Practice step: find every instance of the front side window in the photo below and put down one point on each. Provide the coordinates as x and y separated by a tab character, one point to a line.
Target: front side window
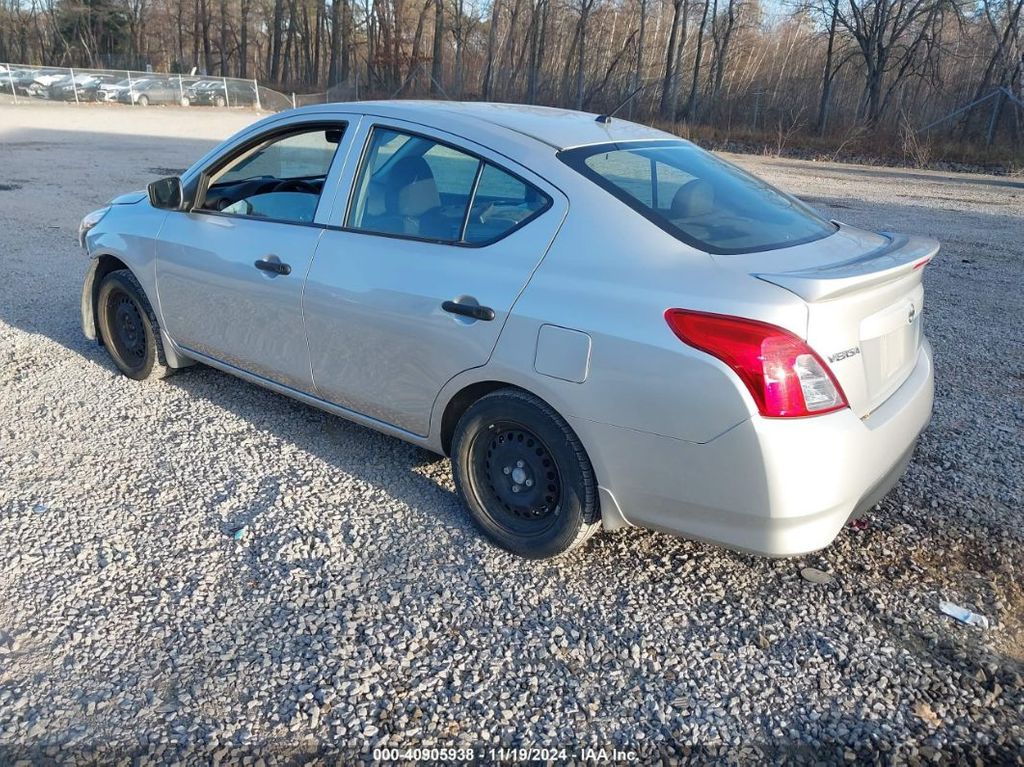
698	198
416	187
280	178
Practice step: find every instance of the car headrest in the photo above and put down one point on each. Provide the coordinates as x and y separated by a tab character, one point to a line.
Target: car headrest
694	198
412	190
376	199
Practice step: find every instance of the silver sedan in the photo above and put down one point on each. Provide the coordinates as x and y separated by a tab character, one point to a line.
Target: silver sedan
601	324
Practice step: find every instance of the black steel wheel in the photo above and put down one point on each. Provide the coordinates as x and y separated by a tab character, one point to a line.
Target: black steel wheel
517	477
128	327
128	334
524	475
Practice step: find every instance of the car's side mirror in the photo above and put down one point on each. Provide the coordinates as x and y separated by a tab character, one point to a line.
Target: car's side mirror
167	194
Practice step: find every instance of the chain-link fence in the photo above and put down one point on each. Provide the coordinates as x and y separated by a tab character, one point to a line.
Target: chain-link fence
21	83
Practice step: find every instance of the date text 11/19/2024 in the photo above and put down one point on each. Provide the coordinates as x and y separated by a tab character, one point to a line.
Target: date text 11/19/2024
587	754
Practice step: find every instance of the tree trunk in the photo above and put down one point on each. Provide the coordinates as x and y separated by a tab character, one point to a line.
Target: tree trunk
180	17
691	102
492	42
581	51
827	76
223	37
638	66
346	41
243	38
722	52
533	68
670	80
437	65
334	67
196	35
276	31
207	49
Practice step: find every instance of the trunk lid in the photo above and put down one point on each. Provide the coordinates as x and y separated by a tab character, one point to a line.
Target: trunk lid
864	298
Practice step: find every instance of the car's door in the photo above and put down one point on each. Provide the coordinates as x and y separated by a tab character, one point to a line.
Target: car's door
230	271
166	92
414	279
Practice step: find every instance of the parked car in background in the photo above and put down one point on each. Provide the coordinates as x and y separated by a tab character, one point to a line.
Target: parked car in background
234	93
112	90
151	91
85	87
599	322
199	92
16	81
41	80
92	89
63	88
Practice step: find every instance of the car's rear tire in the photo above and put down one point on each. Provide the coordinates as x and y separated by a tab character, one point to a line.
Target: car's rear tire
143	101
129	329
185	101
524	475
219	101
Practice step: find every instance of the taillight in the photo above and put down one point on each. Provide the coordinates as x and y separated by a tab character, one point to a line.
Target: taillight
784	375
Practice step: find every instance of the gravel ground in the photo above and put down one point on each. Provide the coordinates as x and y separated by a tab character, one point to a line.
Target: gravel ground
361	609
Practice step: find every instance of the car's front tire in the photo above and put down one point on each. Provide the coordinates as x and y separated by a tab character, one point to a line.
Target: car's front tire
128	327
524	475
143	101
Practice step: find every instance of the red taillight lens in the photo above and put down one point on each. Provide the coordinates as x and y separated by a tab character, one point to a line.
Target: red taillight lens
784	375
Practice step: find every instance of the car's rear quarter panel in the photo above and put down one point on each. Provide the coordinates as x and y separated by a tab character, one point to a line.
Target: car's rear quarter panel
611	274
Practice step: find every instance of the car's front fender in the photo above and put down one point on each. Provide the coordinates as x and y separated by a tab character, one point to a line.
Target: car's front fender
88	301
100	266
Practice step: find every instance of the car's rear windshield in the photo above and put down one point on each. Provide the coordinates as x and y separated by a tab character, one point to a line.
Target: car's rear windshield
698	198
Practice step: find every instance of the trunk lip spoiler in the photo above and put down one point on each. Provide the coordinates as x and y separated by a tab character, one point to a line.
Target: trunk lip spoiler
899	256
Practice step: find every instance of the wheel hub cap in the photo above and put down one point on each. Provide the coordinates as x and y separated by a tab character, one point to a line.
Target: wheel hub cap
126	324
522	475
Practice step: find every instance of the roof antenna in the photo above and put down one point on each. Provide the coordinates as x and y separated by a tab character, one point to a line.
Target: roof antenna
607	118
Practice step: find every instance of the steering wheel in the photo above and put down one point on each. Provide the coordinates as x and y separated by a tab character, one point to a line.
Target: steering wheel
295	185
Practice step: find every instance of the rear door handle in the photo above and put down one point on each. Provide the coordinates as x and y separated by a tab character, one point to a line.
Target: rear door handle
475	311
273	265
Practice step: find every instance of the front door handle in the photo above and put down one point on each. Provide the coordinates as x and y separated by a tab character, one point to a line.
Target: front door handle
475	311
273	265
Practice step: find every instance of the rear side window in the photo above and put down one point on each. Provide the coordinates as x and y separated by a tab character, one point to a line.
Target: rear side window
502	203
698	198
412	186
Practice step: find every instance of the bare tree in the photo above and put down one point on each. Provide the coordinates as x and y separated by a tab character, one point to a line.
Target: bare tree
896	66
437	63
722	27
891	35
585	7
691	101
676	44
492	46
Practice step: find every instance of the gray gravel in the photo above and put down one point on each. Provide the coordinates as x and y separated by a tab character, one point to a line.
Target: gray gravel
359	608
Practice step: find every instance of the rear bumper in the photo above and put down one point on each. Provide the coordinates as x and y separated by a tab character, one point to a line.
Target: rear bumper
769	486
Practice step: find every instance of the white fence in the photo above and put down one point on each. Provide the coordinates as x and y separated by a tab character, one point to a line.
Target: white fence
22	83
